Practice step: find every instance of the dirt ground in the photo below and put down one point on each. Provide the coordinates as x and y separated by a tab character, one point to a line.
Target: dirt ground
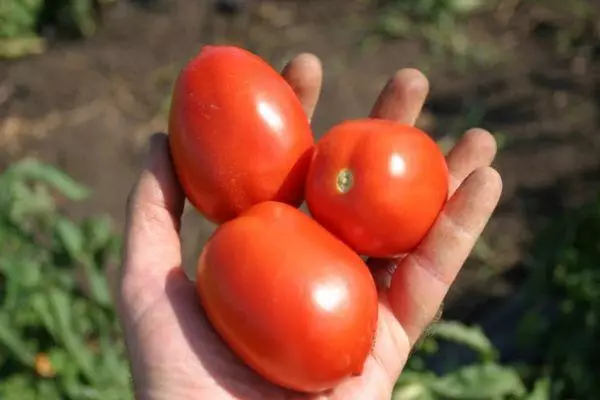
88	106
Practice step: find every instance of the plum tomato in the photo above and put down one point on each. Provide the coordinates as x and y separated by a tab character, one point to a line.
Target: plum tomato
378	185
291	300
238	133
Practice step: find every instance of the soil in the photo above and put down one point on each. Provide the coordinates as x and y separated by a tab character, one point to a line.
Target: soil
89	105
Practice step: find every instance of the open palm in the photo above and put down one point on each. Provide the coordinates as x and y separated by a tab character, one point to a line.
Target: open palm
174	352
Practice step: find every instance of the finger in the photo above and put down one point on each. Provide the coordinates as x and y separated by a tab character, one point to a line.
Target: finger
476	149
403	97
305	75
422	279
152	246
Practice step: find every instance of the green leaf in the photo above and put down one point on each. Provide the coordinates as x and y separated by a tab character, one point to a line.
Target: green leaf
394	25
21	278
484	381
470	336
98	233
17	387
60	359
18	18
31	169
48	390
60	302
27	201
83	15
10	338
465	6
541	390
413	391
414	385
41	307
71	237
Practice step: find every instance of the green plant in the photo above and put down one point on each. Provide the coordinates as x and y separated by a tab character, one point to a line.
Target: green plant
482	380
440	23
564	322
59	338
18	19
21	20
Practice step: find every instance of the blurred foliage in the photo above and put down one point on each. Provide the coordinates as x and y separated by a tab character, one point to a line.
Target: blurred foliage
440	23
565	268
562	326
485	379
431	11
19	18
59	338
18	22
21	22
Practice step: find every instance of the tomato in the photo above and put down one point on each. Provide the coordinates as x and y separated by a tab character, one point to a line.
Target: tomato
238	133
377	185
295	303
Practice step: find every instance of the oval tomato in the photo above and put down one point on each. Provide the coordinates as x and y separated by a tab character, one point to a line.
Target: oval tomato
295	303
378	185
238	133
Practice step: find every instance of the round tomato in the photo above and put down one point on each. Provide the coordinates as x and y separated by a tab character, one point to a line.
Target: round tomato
238	133
378	185
295	303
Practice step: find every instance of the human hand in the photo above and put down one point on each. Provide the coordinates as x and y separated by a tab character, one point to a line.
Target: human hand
174	352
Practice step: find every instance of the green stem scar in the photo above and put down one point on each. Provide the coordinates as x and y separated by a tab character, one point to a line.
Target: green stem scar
345	180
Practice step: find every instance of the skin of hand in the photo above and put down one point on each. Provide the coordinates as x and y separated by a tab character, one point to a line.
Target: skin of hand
175	354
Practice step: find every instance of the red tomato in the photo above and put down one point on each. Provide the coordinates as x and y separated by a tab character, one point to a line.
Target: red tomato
238	133
295	303
378	185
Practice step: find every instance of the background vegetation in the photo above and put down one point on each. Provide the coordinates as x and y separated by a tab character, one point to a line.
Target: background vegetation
59	338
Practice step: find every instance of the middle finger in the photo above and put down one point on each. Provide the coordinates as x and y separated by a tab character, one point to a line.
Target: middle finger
402	98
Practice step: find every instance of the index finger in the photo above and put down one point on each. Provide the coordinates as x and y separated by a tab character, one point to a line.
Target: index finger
305	75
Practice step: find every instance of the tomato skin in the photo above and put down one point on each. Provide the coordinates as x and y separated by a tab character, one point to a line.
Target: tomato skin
291	300
398	184
238	133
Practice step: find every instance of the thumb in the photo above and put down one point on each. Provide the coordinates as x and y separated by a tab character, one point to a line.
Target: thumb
152	245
